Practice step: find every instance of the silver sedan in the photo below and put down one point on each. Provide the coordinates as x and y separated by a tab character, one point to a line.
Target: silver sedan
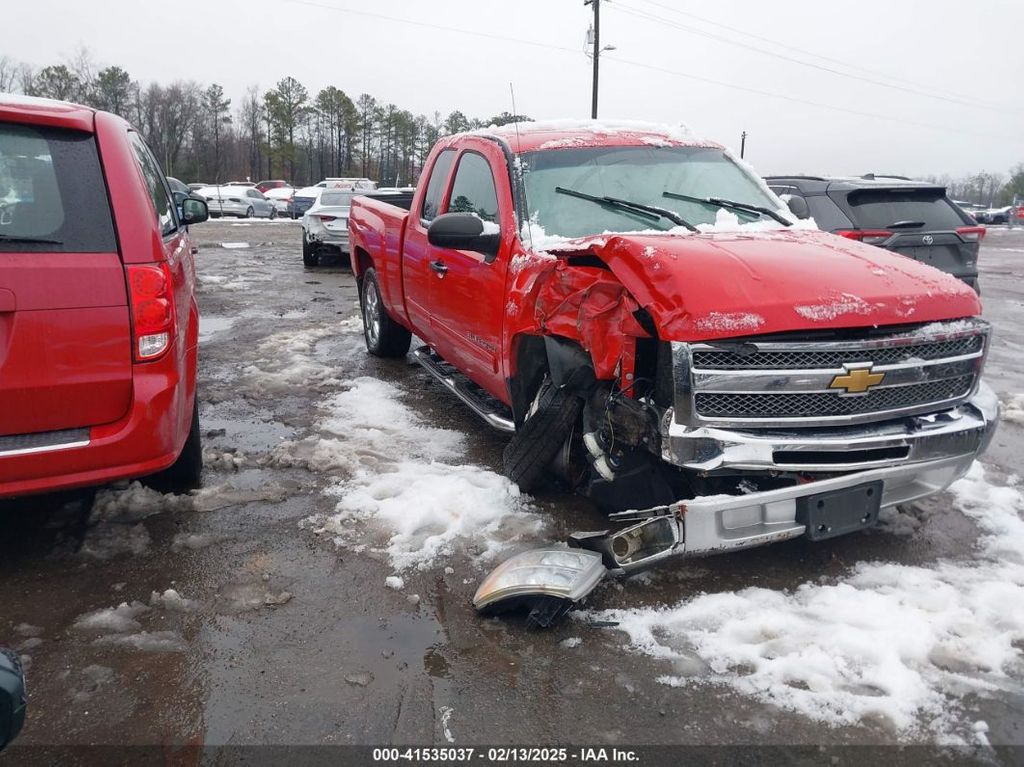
241	201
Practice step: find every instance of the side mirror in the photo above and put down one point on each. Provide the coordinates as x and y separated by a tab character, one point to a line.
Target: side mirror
464	231
12	697
193	211
798	207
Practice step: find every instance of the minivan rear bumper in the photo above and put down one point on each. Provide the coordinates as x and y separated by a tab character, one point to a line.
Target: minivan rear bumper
146	440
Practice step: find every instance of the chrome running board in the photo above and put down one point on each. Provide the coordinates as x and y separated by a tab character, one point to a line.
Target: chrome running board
495	413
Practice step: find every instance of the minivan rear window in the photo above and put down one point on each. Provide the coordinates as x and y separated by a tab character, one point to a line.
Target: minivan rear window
881	208
53	197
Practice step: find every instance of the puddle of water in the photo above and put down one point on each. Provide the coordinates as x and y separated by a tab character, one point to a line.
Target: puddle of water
210	326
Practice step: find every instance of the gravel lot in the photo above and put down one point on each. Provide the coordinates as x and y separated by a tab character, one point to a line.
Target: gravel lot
317	589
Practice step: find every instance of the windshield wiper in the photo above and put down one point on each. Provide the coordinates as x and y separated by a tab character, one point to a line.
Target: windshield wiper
34	240
651	212
718	202
906	225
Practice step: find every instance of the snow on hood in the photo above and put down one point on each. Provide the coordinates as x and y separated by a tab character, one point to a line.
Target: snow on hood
733	279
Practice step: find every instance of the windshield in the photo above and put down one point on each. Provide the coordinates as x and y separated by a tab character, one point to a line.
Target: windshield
336	199
638	174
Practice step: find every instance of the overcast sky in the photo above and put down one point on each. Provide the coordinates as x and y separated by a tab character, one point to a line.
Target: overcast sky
459	54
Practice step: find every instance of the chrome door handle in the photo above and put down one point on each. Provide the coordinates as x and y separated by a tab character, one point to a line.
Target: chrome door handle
439	267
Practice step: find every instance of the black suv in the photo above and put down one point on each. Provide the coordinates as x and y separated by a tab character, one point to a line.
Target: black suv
912	218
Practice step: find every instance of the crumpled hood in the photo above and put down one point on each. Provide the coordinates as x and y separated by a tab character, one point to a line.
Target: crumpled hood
708	286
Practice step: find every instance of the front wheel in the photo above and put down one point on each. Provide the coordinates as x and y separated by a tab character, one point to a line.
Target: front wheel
249	212
384	337
273	213
536	442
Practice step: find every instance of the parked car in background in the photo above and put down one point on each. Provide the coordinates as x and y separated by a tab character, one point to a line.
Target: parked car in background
912	218
281	198
243	202
325	224
197	185
998	215
98	314
348	182
265	186
303	199
972	209
179	191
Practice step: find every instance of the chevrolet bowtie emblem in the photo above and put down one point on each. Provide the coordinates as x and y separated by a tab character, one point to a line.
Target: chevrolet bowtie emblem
857	380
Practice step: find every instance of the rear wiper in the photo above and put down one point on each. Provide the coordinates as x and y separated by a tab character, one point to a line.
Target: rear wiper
35	240
906	225
651	212
718	202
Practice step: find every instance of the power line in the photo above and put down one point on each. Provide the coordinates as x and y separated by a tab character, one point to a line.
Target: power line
640	13
806	52
664	70
808	102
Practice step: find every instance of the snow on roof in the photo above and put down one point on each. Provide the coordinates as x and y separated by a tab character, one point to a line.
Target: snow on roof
34	102
569	133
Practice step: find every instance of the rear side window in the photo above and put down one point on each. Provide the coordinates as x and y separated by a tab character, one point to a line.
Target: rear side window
473	190
881	208
155	185
53	197
826	214
435	186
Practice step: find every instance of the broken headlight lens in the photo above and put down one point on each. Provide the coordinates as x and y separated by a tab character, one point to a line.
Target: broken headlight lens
562	573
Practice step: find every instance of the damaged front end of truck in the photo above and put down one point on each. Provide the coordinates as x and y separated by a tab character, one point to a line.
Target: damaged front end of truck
716	416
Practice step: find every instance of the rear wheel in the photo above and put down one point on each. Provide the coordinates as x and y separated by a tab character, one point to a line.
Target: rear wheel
186	472
273	213
309	254
384	337
537	441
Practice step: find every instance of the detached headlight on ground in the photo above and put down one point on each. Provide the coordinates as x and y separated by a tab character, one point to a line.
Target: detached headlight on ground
547	582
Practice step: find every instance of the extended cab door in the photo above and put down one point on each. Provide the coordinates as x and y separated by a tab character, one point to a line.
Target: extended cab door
467	289
416	273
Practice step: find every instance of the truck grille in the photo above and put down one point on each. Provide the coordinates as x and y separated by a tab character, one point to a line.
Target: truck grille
781	360
830	405
792	382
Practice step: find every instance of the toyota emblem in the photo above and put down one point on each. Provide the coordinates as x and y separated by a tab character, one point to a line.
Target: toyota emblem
927	239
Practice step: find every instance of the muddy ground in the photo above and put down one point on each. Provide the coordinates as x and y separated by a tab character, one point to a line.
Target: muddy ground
281	629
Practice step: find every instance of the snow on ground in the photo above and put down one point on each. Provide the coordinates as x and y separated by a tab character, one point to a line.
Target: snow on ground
402	491
890	644
286	360
1013	409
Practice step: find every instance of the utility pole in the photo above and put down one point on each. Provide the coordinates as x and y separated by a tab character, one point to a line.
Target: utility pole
743	144
597	53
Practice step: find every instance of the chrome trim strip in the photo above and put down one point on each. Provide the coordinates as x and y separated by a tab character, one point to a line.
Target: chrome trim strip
44	448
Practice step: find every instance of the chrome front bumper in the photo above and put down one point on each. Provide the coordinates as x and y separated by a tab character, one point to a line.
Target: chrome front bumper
960	431
941	449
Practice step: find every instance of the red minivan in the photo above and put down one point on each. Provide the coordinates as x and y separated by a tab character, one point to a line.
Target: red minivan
98	315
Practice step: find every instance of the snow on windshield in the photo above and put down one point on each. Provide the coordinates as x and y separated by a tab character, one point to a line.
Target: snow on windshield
639	174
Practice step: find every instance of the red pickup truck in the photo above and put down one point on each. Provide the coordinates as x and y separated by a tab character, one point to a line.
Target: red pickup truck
644	317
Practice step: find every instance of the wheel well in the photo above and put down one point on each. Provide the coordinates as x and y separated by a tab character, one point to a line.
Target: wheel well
361	261
563	360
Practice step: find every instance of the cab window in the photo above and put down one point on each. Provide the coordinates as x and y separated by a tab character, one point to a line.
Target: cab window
473	190
435	186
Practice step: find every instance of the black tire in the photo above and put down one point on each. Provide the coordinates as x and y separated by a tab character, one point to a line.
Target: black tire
187	471
249	212
310	257
273	213
539	438
384	337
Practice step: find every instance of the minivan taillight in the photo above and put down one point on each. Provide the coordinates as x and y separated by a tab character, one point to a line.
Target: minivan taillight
152	301
971	233
869	236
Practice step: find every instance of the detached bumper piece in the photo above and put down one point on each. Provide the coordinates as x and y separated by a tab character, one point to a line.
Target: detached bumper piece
547	583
